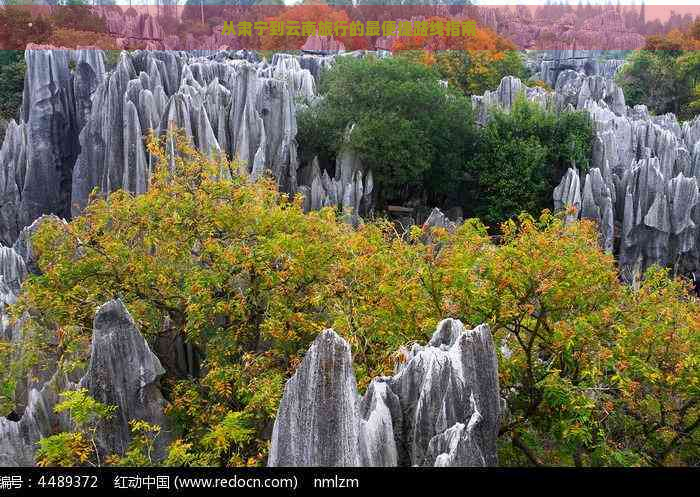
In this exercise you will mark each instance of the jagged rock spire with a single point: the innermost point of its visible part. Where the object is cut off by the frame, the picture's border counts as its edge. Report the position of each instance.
(441, 408)
(123, 372)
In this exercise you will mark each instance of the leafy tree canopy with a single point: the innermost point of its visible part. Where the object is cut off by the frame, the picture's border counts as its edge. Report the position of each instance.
(473, 63)
(411, 131)
(665, 76)
(521, 156)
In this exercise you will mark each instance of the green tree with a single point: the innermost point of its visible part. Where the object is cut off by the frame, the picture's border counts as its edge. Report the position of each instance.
(244, 275)
(595, 373)
(521, 156)
(77, 447)
(411, 131)
(12, 71)
(666, 74)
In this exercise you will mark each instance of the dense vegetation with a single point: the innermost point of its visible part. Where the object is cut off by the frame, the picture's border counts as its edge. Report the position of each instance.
(594, 372)
(12, 70)
(665, 76)
(411, 131)
(419, 139)
(521, 156)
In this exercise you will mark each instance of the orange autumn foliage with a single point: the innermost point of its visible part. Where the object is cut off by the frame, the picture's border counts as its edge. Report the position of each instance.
(473, 63)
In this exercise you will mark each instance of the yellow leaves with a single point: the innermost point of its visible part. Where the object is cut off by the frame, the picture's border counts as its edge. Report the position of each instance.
(252, 280)
(64, 449)
(222, 388)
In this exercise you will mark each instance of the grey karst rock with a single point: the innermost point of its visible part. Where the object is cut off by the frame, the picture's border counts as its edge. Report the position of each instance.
(597, 205)
(317, 420)
(457, 446)
(13, 165)
(84, 128)
(18, 439)
(123, 372)
(50, 133)
(315, 64)
(350, 189)
(633, 189)
(442, 407)
(509, 89)
(13, 271)
(568, 194)
(437, 219)
(52, 112)
(137, 171)
(288, 68)
(582, 62)
(380, 422)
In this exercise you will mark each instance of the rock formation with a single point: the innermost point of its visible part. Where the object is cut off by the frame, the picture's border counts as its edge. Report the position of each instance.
(37, 156)
(243, 109)
(441, 407)
(13, 271)
(350, 189)
(83, 128)
(122, 372)
(554, 62)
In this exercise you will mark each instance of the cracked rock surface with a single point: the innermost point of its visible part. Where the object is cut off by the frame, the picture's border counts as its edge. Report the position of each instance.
(441, 407)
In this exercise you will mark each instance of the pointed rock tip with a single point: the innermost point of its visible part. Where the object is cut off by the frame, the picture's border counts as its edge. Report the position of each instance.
(450, 330)
(329, 335)
(110, 314)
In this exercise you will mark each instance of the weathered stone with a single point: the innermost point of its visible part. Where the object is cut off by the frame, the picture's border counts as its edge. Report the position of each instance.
(567, 195)
(122, 372)
(83, 128)
(317, 419)
(441, 408)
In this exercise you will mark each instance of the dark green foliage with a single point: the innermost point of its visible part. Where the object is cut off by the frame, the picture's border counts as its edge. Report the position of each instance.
(12, 69)
(665, 76)
(658, 80)
(419, 140)
(521, 157)
(408, 128)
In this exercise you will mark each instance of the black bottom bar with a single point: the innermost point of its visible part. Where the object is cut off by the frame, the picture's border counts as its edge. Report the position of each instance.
(327, 481)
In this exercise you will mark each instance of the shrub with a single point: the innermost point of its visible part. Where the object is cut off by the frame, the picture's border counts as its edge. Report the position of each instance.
(521, 156)
(473, 63)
